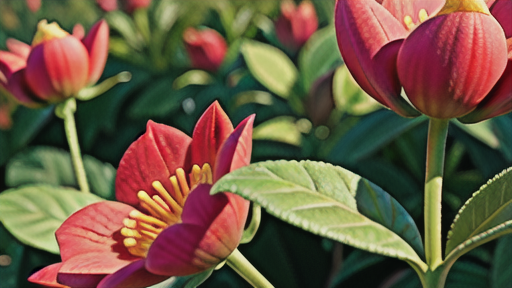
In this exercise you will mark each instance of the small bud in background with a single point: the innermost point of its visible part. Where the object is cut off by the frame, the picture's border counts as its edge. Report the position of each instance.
(5, 116)
(320, 101)
(296, 24)
(206, 48)
(126, 5)
(57, 65)
(34, 5)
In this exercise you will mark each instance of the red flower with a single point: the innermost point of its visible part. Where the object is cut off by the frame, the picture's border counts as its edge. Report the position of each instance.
(56, 66)
(296, 24)
(168, 224)
(447, 64)
(128, 5)
(206, 48)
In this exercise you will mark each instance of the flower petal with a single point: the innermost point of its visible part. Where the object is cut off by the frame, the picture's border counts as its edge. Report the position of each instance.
(402, 8)
(57, 68)
(450, 62)
(155, 156)
(499, 100)
(363, 27)
(80, 280)
(19, 48)
(96, 43)
(212, 228)
(47, 276)
(134, 275)
(18, 88)
(94, 230)
(211, 130)
(236, 150)
(9, 64)
(79, 32)
(502, 11)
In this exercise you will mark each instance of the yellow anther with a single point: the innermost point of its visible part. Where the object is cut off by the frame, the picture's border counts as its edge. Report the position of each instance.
(46, 32)
(130, 233)
(129, 242)
(195, 175)
(206, 172)
(167, 200)
(408, 22)
(162, 203)
(129, 223)
(149, 235)
(182, 180)
(155, 209)
(423, 15)
(177, 190)
(149, 228)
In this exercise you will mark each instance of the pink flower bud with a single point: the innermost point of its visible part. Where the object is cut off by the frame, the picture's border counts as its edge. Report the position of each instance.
(34, 5)
(206, 48)
(296, 24)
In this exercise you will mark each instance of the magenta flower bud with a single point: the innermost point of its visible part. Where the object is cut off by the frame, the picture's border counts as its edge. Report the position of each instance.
(296, 24)
(127, 5)
(34, 5)
(206, 48)
(56, 67)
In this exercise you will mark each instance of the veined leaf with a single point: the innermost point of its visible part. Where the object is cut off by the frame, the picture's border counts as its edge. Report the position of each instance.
(33, 213)
(484, 217)
(270, 66)
(321, 198)
(501, 270)
(280, 129)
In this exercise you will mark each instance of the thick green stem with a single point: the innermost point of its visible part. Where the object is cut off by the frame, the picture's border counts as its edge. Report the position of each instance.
(66, 111)
(245, 269)
(437, 132)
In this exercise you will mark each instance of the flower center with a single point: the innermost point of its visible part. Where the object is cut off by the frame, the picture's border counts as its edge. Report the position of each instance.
(47, 32)
(409, 22)
(140, 230)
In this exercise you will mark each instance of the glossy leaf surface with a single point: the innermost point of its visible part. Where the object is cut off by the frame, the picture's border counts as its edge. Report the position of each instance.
(33, 213)
(321, 198)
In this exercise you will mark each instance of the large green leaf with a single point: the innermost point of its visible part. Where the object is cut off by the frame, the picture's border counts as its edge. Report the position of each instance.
(321, 198)
(481, 131)
(280, 129)
(486, 216)
(371, 133)
(33, 213)
(501, 270)
(270, 66)
(356, 261)
(47, 165)
(318, 56)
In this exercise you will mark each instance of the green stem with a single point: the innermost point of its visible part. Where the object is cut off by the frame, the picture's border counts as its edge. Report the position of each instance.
(437, 132)
(244, 268)
(66, 111)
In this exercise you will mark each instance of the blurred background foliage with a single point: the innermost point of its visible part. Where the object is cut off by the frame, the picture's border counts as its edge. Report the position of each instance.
(307, 107)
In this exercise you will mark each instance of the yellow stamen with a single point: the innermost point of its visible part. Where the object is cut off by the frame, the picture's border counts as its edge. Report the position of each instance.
(154, 208)
(130, 233)
(171, 203)
(47, 32)
(140, 217)
(129, 223)
(162, 203)
(408, 22)
(423, 15)
(129, 242)
(206, 172)
(149, 228)
(182, 179)
(195, 176)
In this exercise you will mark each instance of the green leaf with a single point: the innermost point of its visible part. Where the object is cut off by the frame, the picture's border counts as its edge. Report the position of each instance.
(270, 66)
(349, 97)
(504, 134)
(33, 213)
(371, 133)
(10, 251)
(485, 216)
(319, 55)
(280, 129)
(190, 281)
(321, 198)
(501, 270)
(47, 165)
(356, 261)
(481, 131)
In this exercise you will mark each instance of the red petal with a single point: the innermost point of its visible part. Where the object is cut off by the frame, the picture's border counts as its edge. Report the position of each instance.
(449, 63)
(47, 276)
(411, 8)
(364, 27)
(236, 150)
(20, 91)
(304, 23)
(57, 68)
(19, 48)
(134, 275)
(80, 280)
(96, 43)
(502, 11)
(211, 130)
(79, 32)
(154, 156)
(92, 234)
(10, 63)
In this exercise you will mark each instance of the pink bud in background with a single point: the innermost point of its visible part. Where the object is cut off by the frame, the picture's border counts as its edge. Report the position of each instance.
(296, 24)
(107, 5)
(127, 5)
(34, 5)
(57, 65)
(206, 48)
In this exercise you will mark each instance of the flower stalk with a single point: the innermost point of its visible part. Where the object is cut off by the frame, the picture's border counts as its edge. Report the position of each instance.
(66, 111)
(437, 132)
(244, 268)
